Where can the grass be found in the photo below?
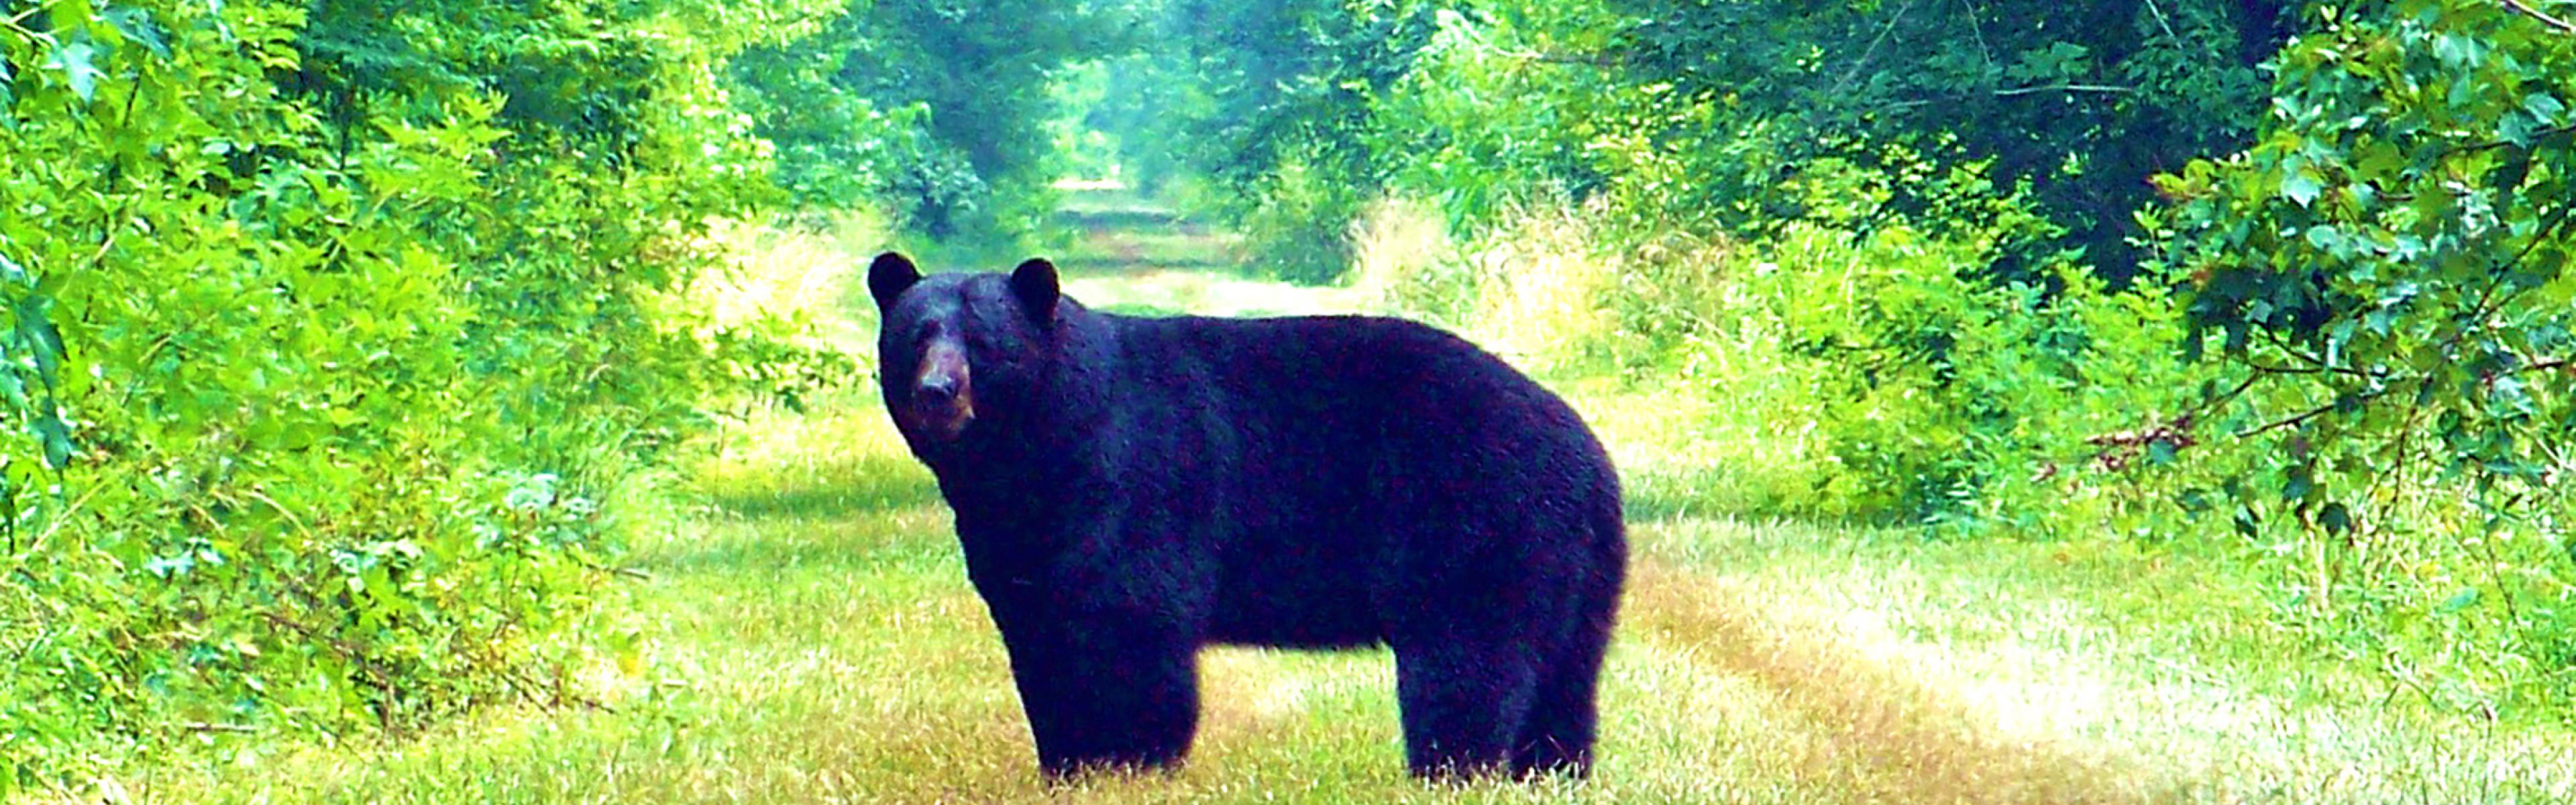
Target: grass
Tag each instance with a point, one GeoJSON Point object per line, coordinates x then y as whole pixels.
{"type": "Point", "coordinates": [808, 636]}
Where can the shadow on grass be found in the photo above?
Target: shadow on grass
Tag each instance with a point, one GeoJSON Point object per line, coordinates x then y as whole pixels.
{"type": "Point", "coordinates": [871, 487]}
{"type": "Point", "coordinates": [1111, 265]}
{"type": "Point", "coordinates": [1658, 493]}
{"type": "Point", "coordinates": [1144, 309]}
{"type": "Point", "coordinates": [1659, 503]}
{"type": "Point", "coordinates": [842, 462]}
{"type": "Point", "coordinates": [868, 512]}
{"type": "Point", "coordinates": [819, 502]}
{"type": "Point", "coordinates": [1119, 217]}
{"type": "Point", "coordinates": [1673, 499]}
{"type": "Point", "coordinates": [774, 550]}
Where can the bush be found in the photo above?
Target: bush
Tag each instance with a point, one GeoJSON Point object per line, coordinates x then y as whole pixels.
{"type": "Point", "coordinates": [1894, 377]}
{"type": "Point", "coordinates": [1296, 224]}
{"type": "Point", "coordinates": [337, 339]}
{"type": "Point", "coordinates": [1944, 398]}
{"type": "Point", "coordinates": [2385, 272]}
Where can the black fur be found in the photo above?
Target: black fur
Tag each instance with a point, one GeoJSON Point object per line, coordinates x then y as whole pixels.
{"type": "Point", "coordinates": [1130, 489]}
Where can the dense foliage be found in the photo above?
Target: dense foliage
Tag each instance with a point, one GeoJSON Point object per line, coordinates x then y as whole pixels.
{"type": "Point", "coordinates": [2391, 261]}
{"type": "Point", "coordinates": [2388, 269]}
{"type": "Point", "coordinates": [1269, 103]}
{"type": "Point", "coordinates": [940, 108]}
{"type": "Point", "coordinates": [336, 333]}
{"type": "Point", "coordinates": [2081, 101]}
{"type": "Point", "coordinates": [2282, 280]}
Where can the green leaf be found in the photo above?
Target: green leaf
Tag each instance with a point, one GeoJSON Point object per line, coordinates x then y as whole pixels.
{"type": "Point", "coordinates": [2458, 51]}
{"type": "Point", "coordinates": [2299, 187]}
{"type": "Point", "coordinates": [167, 566]}
{"type": "Point", "coordinates": [57, 437]}
{"type": "Point", "coordinates": [36, 329]}
{"type": "Point", "coordinates": [2543, 107]}
{"type": "Point", "coordinates": [2326, 238]}
{"type": "Point", "coordinates": [2336, 518]}
{"type": "Point", "coordinates": [77, 59]}
{"type": "Point", "coordinates": [2380, 320]}
{"type": "Point", "coordinates": [137, 26]}
{"type": "Point", "coordinates": [2465, 599]}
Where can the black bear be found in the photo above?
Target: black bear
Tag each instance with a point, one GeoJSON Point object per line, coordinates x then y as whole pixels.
{"type": "Point", "coordinates": [1130, 489]}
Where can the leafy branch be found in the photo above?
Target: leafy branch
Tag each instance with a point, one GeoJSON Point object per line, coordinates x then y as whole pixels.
{"type": "Point", "coordinates": [2563, 26]}
{"type": "Point", "coordinates": [2009, 92]}
{"type": "Point", "coordinates": [2352, 400]}
{"type": "Point", "coordinates": [2104, 89]}
{"type": "Point", "coordinates": [1602, 60]}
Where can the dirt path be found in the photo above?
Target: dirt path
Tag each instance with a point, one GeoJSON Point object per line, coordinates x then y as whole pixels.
{"type": "Point", "coordinates": [1875, 727]}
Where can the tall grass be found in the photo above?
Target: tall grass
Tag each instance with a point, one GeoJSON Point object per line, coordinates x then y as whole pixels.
{"type": "Point", "coordinates": [799, 273]}
{"type": "Point", "coordinates": [1534, 291]}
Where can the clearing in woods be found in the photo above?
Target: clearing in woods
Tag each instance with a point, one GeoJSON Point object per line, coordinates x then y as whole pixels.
{"type": "Point", "coordinates": [811, 637]}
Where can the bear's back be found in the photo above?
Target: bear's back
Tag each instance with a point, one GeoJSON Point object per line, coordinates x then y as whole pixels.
{"type": "Point", "coordinates": [1318, 449]}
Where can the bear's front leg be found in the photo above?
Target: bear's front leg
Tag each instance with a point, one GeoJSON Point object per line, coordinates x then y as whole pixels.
{"type": "Point", "coordinates": [1105, 691]}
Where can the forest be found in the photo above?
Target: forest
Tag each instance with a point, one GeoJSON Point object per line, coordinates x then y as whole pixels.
{"type": "Point", "coordinates": [458, 399]}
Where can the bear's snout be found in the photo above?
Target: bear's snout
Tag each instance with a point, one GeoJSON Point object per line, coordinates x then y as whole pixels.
{"type": "Point", "coordinates": [943, 394]}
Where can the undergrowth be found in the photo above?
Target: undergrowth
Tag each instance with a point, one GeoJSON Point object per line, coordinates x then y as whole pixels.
{"type": "Point", "coordinates": [1869, 372]}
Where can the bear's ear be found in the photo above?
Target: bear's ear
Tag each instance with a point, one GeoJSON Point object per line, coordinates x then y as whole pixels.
{"type": "Point", "coordinates": [890, 276]}
{"type": "Point", "coordinates": [1034, 283]}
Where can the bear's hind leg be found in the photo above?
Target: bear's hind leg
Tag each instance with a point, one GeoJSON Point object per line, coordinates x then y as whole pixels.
{"type": "Point", "coordinates": [1557, 738]}
{"type": "Point", "coordinates": [1565, 720]}
{"type": "Point", "coordinates": [1462, 707]}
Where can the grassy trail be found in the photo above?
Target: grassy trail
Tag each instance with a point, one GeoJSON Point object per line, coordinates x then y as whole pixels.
{"type": "Point", "coordinates": [812, 638]}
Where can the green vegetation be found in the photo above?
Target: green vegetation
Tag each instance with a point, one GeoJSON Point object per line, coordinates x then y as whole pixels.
{"type": "Point", "coordinates": [942, 110]}
{"type": "Point", "coordinates": [2019, 401]}
{"type": "Point", "coordinates": [2282, 283]}
{"type": "Point", "coordinates": [811, 636]}
{"type": "Point", "coordinates": [339, 342]}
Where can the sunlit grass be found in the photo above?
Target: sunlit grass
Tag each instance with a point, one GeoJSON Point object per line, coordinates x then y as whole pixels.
{"type": "Point", "coordinates": [1170, 270]}
{"type": "Point", "coordinates": [828, 647]}
{"type": "Point", "coordinates": [825, 647]}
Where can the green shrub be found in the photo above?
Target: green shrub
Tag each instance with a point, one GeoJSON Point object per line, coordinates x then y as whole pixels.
{"type": "Point", "coordinates": [1296, 225]}
{"type": "Point", "coordinates": [2386, 273]}
{"type": "Point", "coordinates": [334, 332]}
{"type": "Point", "coordinates": [1917, 386]}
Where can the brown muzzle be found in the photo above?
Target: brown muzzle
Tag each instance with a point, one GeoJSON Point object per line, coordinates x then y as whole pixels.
{"type": "Point", "coordinates": [943, 394]}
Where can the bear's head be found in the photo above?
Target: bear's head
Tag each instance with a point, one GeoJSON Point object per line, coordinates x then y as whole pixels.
{"type": "Point", "coordinates": [957, 349]}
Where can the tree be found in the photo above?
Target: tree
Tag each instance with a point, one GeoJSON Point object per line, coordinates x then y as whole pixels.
{"type": "Point", "coordinates": [2082, 100]}
{"type": "Point", "coordinates": [966, 88]}
{"type": "Point", "coordinates": [2389, 263]}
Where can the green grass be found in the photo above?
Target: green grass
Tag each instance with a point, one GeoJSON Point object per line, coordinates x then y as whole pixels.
{"type": "Point", "coordinates": [812, 638]}
{"type": "Point", "coordinates": [808, 635]}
